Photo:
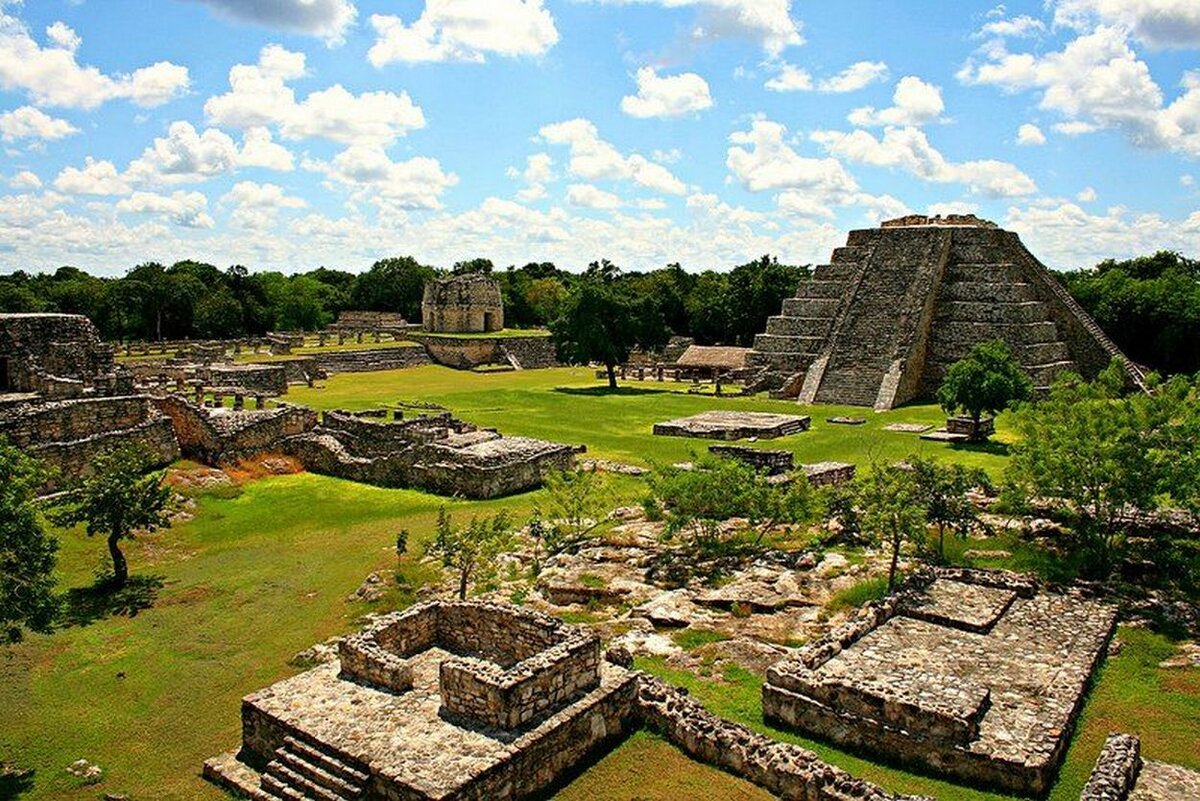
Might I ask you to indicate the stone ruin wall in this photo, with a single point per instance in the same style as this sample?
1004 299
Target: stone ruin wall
492 478
271 379
66 436
1116 770
378 437
44 347
532 352
369 321
371 360
222 438
462 304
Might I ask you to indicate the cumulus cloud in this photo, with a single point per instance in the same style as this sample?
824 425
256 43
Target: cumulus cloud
1158 23
259 150
1014 27
910 150
259 96
667 96
257 205
591 197
371 175
913 103
768 22
328 19
761 159
1030 135
464 30
28 122
184 155
186 209
25 180
51 76
594 159
539 171
857 76
1086 195
94 178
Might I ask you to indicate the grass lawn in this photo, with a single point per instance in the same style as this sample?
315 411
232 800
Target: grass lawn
223 601
570 405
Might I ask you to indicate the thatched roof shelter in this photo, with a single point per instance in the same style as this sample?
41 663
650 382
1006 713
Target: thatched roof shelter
714 357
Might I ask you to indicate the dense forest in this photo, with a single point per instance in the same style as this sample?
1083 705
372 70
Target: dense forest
1149 305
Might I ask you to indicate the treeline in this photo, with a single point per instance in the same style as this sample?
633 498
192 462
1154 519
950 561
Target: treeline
193 300
1150 306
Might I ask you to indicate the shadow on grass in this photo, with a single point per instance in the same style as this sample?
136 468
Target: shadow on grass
13 783
987 446
83 606
603 391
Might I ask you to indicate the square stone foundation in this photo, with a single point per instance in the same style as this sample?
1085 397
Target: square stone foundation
734 425
967 674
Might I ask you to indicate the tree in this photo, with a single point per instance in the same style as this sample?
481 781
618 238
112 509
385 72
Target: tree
1091 453
757 291
942 492
117 499
27 553
476 265
602 321
576 502
891 511
395 285
470 550
988 381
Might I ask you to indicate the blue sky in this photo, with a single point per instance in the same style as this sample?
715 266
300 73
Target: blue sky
289 134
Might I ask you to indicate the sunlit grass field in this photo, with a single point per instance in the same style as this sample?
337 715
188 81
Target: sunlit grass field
224 601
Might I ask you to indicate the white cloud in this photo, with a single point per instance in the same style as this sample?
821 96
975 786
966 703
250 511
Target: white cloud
667 96
802 204
1030 135
760 159
913 103
539 171
25 180
259 96
258 150
371 175
1016 27
1075 128
464 30
670 156
95 178
185 155
256 206
591 197
1187 180
909 149
187 209
1086 195
791 78
766 21
28 122
1158 23
328 19
594 159
952 207
51 76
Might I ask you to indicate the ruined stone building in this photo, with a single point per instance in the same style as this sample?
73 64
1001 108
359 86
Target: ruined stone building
898 304
58 355
462 304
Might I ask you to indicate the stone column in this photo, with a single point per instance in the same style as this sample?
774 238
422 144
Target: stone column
341 338
358 337
199 394
239 402
321 339
259 402
377 337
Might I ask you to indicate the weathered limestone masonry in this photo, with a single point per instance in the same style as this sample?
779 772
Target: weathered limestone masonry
1121 774
462 304
57 355
532 352
445 729
67 435
220 436
879 324
271 379
734 425
770 462
438 454
371 359
978 675
474 701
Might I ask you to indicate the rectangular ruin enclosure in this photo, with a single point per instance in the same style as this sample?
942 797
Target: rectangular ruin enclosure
972 677
445 700
734 425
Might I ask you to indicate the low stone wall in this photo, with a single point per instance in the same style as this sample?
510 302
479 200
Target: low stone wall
378 437
220 436
786 770
534 351
769 462
371 360
1116 770
267 378
530 353
458 471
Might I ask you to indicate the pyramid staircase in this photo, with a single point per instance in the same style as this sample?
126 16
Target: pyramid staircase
308 772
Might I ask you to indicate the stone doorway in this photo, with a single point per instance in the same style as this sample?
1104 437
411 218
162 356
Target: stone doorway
5 381
489 321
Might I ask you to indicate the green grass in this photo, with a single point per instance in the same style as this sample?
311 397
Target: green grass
856 595
690 639
1131 694
570 405
507 333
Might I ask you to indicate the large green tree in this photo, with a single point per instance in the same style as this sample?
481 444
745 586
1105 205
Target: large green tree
988 381
120 496
395 285
470 550
603 319
27 553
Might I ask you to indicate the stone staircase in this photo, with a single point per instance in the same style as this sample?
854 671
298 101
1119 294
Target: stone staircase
992 300
301 770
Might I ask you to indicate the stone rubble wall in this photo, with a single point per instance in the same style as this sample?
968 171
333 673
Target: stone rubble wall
371 360
462 304
444 471
267 378
1116 770
532 352
767 461
217 437
786 770
45 347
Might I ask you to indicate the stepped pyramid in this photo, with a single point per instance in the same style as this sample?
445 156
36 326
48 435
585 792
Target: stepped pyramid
880 324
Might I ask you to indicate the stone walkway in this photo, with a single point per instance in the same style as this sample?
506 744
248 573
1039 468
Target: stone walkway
1159 781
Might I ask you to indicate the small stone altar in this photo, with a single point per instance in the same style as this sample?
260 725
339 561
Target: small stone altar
727 425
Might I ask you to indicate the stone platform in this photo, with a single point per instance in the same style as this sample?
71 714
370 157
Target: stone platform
972 674
727 425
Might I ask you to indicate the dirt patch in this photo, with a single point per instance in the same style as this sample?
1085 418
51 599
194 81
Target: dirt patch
262 466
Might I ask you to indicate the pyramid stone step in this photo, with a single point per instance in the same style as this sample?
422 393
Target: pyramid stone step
837 271
999 291
799 326
981 311
274 788
786 362
318 775
811 307
1002 272
284 776
835 289
848 254
945 333
773 343
338 765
